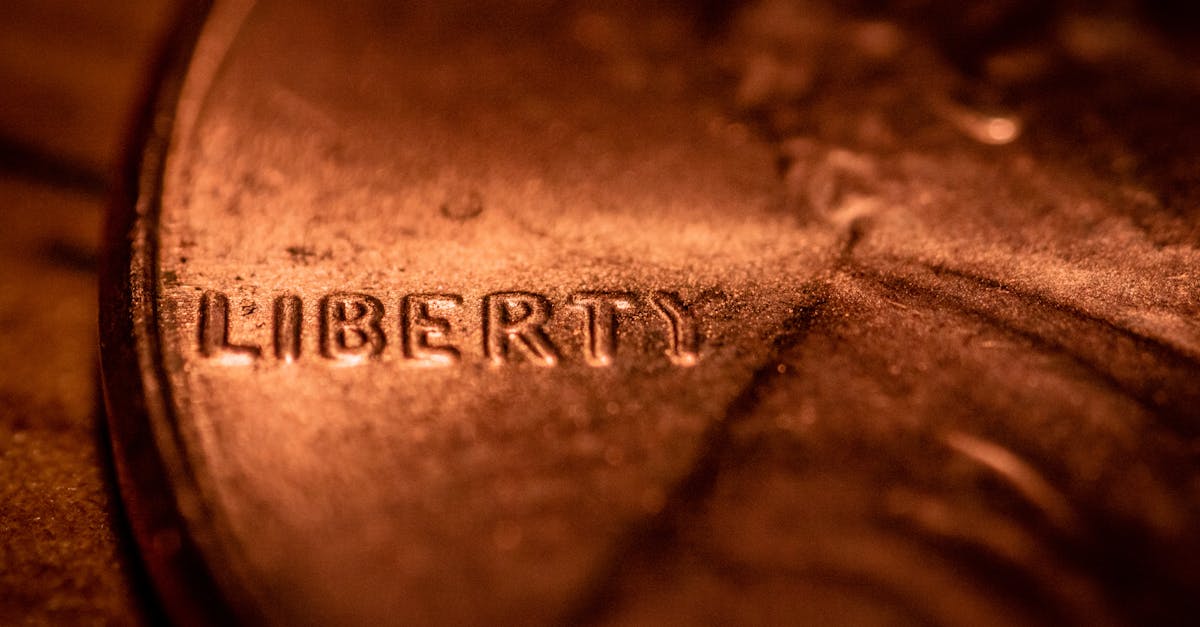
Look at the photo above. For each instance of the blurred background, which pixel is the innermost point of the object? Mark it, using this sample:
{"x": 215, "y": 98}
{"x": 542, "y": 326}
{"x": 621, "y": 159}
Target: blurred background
{"x": 72, "y": 73}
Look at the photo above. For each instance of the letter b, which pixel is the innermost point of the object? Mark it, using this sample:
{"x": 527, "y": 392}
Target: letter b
{"x": 350, "y": 326}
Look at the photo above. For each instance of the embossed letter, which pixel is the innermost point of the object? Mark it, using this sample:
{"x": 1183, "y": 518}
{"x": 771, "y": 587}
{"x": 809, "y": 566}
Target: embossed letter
{"x": 682, "y": 340}
{"x": 517, "y": 318}
{"x": 289, "y": 313}
{"x": 600, "y": 324}
{"x": 214, "y": 332}
{"x": 418, "y": 327}
{"x": 350, "y": 326}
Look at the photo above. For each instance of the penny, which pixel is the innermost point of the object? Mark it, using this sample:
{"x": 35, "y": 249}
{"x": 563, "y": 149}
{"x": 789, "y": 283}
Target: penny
{"x": 495, "y": 314}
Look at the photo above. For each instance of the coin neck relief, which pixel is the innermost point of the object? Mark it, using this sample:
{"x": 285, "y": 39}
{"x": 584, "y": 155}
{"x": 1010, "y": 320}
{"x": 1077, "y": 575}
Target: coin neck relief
{"x": 593, "y": 314}
{"x": 352, "y": 328}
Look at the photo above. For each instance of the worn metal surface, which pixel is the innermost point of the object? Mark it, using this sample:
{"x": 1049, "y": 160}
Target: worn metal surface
{"x": 770, "y": 313}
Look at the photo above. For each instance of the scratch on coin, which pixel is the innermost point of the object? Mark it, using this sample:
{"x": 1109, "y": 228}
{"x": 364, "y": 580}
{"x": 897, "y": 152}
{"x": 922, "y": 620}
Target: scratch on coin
{"x": 1027, "y": 480}
{"x": 655, "y": 534}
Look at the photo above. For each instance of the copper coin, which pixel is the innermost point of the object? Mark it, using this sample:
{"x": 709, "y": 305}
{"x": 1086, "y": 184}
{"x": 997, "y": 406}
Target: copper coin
{"x": 769, "y": 313}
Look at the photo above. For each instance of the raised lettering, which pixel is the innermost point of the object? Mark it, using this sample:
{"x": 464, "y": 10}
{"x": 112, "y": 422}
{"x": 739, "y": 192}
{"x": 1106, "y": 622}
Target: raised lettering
{"x": 214, "y": 332}
{"x": 682, "y": 338}
{"x": 517, "y": 318}
{"x": 350, "y": 329}
{"x": 600, "y": 324}
{"x": 419, "y": 328}
{"x": 289, "y": 314}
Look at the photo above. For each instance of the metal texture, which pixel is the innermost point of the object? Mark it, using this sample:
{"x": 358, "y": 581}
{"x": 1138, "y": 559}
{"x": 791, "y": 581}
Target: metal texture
{"x": 523, "y": 313}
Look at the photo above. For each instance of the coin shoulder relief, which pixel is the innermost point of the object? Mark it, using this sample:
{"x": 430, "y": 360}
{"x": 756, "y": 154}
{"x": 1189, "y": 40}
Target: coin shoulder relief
{"x": 351, "y": 327}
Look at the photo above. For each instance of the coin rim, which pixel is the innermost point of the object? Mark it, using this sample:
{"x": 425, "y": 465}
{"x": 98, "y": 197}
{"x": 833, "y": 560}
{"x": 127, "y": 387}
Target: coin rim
{"x": 175, "y": 533}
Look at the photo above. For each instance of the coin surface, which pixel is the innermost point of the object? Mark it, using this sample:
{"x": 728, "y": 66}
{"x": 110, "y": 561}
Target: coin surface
{"x": 525, "y": 313}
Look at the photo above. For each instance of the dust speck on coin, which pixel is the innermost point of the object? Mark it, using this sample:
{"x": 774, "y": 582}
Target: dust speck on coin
{"x": 463, "y": 207}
